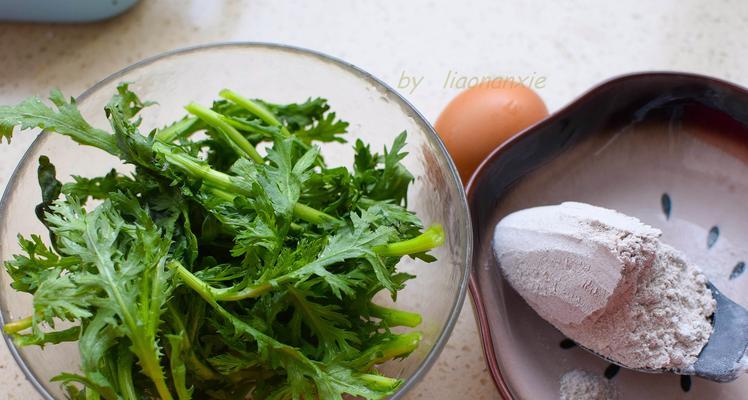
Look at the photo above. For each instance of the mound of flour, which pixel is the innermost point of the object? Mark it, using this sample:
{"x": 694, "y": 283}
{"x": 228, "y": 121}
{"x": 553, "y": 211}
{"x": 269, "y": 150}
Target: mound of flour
{"x": 581, "y": 385}
{"x": 605, "y": 280}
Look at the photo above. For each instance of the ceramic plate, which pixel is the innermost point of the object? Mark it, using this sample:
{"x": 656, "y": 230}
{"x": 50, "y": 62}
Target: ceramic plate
{"x": 676, "y": 161}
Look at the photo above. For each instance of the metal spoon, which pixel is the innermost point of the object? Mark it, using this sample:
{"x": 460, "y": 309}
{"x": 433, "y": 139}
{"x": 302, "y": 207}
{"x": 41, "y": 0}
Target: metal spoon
{"x": 724, "y": 357}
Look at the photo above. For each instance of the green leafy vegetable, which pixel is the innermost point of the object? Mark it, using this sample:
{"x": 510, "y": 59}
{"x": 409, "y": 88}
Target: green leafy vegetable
{"x": 389, "y": 182}
{"x": 67, "y": 120}
{"x": 216, "y": 270}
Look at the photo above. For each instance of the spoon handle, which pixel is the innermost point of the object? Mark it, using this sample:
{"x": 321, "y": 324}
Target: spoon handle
{"x": 720, "y": 360}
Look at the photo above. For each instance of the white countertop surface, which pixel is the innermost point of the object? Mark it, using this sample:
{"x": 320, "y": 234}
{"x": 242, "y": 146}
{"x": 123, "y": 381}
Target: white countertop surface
{"x": 573, "y": 46}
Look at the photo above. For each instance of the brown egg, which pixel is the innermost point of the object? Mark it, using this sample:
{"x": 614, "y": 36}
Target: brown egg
{"x": 482, "y": 117}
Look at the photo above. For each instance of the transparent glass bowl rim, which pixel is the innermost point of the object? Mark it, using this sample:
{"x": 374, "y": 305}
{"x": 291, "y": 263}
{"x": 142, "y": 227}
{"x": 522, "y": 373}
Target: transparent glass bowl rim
{"x": 454, "y": 313}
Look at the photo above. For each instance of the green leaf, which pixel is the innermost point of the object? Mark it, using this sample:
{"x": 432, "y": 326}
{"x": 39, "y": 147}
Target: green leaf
{"x": 349, "y": 243}
{"x": 228, "y": 363}
{"x": 97, "y": 188}
{"x": 96, "y": 344}
{"x": 132, "y": 146}
{"x": 331, "y": 190}
{"x": 327, "y": 129}
{"x": 327, "y": 323}
{"x": 282, "y": 179}
{"x": 39, "y": 262}
{"x": 47, "y": 176}
{"x": 106, "y": 392}
{"x": 298, "y": 115}
{"x": 128, "y": 102}
{"x": 306, "y": 378}
{"x": 132, "y": 276}
{"x": 66, "y": 120}
{"x": 391, "y": 181}
{"x": 60, "y": 297}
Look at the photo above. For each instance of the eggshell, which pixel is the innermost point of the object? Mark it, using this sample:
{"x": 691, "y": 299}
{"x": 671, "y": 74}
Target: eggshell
{"x": 482, "y": 117}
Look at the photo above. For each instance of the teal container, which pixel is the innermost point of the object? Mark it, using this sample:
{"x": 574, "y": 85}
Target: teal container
{"x": 62, "y": 10}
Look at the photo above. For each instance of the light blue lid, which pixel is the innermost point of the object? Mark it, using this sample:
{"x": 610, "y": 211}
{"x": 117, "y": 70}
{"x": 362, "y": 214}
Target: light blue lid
{"x": 62, "y": 10}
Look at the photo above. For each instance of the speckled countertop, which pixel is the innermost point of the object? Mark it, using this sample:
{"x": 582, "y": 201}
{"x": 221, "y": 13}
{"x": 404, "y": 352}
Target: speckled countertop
{"x": 572, "y": 46}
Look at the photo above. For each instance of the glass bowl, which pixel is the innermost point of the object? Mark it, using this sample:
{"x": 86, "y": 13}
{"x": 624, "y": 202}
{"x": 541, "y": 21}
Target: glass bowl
{"x": 278, "y": 74}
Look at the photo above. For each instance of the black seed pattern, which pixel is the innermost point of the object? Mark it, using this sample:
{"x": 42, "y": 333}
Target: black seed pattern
{"x": 667, "y": 205}
{"x": 611, "y": 371}
{"x": 685, "y": 383}
{"x": 567, "y": 344}
{"x": 738, "y": 270}
{"x": 711, "y": 239}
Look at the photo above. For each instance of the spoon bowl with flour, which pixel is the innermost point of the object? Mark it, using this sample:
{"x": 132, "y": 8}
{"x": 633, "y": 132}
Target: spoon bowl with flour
{"x": 606, "y": 281}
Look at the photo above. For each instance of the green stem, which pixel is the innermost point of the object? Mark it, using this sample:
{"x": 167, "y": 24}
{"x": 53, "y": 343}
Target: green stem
{"x": 55, "y": 337}
{"x": 395, "y": 317}
{"x": 91, "y": 394}
{"x": 208, "y": 292}
{"x": 226, "y": 196}
{"x": 239, "y": 125}
{"x": 380, "y": 383}
{"x": 152, "y": 368}
{"x": 429, "y": 239}
{"x": 243, "y": 126}
{"x": 262, "y": 339}
{"x": 255, "y": 109}
{"x": 312, "y": 215}
{"x": 233, "y": 136}
{"x": 17, "y": 326}
{"x": 250, "y": 374}
{"x": 196, "y": 170}
{"x": 397, "y": 346}
{"x": 225, "y": 184}
{"x": 124, "y": 373}
{"x": 242, "y": 327}
{"x": 203, "y": 371}
{"x": 432, "y": 237}
{"x": 174, "y": 131}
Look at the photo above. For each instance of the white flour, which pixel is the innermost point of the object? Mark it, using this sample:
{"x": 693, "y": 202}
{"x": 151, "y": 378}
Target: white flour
{"x": 581, "y": 385}
{"x": 605, "y": 280}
